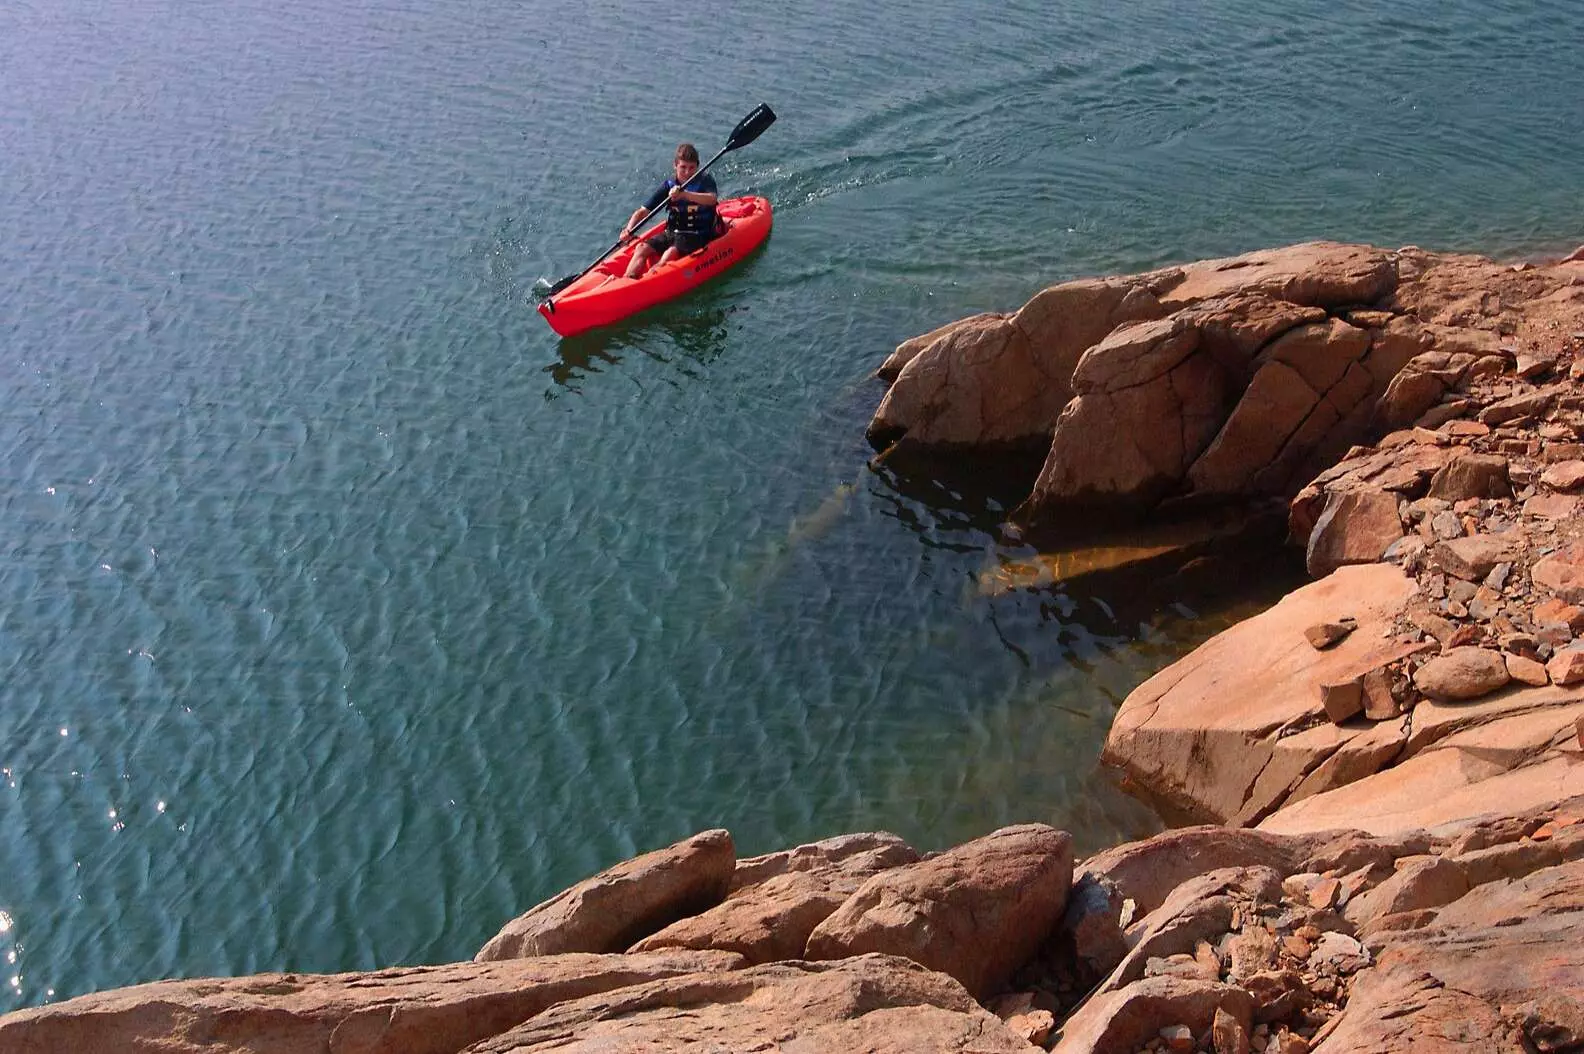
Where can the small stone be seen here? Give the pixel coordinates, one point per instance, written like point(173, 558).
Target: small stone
point(1554, 610)
point(1565, 475)
point(1560, 574)
point(1497, 579)
point(1531, 366)
point(1464, 673)
point(1380, 703)
point(1485, 604)
point(1342, 699)
point(1551, 506)
point(1296, 946)
point(1289, 1043)
point(1520, 644)
point(1566, 667)
point(1474, 557)
point(1472, 476)
point(1527, 671)
point(1034, 1026)
point(1205, 955)
point(1460, 591)
point(1323, 895)
point(1178, 1037)
point(1446, 526)
point(1228, 1035)
point(1323, 635)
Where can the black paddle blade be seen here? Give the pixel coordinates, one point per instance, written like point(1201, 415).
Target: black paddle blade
point(568, 280)
point(751, 127)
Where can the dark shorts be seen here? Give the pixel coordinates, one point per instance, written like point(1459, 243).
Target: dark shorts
point(685, 243)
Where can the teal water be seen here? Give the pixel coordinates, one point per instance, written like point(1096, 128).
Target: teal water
point(345, 612)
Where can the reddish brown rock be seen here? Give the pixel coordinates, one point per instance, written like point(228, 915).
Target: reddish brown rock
point(766, 922)
point(1356, 527)
point(1473, 557)
point(1459, 985)
point(1566, 667)
point(847, 856)
point(1199, 909)
point(1528, 404)
point(622, 904)
point(414, 1010)
point(867, 1005)
point(1427, 882)
point(1461, 776)
point(1551, 506)
point(1342, 699)
point(1380, 703)
point(1564, 475)
point(1472, 476)
point(1102, 450)
point(1561, 573)
point(978, 381)
point(1147, 872)
point(1526, 671)
point(1462, 673)
point(1554, 610)
point(1206, 734)
point(976, 912)
point(1324, 634)
point(1125, 1020)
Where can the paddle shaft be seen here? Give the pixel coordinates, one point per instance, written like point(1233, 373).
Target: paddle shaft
point(747, 130)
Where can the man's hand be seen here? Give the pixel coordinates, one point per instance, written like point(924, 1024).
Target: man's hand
point(676, 193)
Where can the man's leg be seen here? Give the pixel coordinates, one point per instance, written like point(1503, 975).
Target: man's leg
point(642, 257)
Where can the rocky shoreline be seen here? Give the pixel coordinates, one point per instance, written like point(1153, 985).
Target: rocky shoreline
point(1389, 758)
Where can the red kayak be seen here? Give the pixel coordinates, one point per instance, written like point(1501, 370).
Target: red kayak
point(604, 296)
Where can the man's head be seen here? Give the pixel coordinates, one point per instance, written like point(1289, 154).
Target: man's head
point(686, 163)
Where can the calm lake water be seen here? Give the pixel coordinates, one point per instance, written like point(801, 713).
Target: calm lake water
point(345, 612)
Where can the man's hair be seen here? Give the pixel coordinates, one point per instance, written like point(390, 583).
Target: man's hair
point(687, 152)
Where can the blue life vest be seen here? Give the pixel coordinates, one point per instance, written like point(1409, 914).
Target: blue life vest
point(686, 217)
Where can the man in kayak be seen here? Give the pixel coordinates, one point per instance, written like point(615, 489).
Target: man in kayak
point(691, 214)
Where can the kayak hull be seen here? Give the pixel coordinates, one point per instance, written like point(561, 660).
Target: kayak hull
point(604, 295)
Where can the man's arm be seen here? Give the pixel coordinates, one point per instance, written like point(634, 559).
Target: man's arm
point(707, 196)
point(654, 199)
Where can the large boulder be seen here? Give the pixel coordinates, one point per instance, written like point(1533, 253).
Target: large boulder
point(872, 1004)
point(1003, 379)
point(1147, 872)
point(1127, 1020)
point(1502, 968)
point(847, 855)
point(1227, 732)
point(413, 1010)
point(623, 904)
point(976, 912)
point(765, 922)
point(777, 899)
point(1145, 372)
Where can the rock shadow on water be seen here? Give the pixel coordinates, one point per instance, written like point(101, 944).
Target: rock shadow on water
point(1192, 559)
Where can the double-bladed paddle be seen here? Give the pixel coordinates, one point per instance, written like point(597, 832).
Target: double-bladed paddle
point(748, 129)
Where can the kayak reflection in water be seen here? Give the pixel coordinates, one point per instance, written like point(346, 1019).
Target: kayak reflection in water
point(690, 222)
